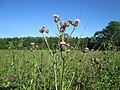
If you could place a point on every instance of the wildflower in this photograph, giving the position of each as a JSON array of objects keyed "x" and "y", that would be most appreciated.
[
  {"x": 61, "y": 29},
  {"x": 33, "y": 45},
  {"x": 56, "y": 18},
  {"x": 64, "y": 25},
  {"x": 77, "y": 20},
  {"x": 42, "y": 29},
  {"x": 68, "y": 23},
  {"x": 86, "y": 49},
  {"x": 63, "y": 46}
]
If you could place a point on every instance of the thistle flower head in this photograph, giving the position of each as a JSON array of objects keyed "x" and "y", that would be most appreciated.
[
  {"x": 61, "y": 29},
  {"x": 56, "y": 18},
  {"x": 69, "y": 21},
  {"x": 63, "y": 46},
  {"x": 32, "y": 43},
  {"x": 64, "y": 25},
  {"x": 62, "y": 43},
  {"x": 42, "y": 29},
  {"x": 86, "y": 49},
  {"x": 77, "y": 20}
]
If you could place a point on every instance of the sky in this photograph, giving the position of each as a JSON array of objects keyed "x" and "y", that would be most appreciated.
[{"x": 23, "y": 18}]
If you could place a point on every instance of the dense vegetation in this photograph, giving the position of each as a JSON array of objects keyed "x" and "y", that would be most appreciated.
[{"x": 25, "y": 70}]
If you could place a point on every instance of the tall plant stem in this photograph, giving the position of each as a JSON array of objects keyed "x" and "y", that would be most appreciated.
[
  {"x": 62, "y": 72},
  {"x": 63, "y": 36},
  {"x": 55, "y": 71},
  {"x": 48, "y": 45},
  {"x": 58, "y": 28},
  {"x": 70, "y": 34}
]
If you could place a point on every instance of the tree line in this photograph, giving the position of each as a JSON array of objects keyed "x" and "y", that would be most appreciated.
[{"x": 108, "y": 38}]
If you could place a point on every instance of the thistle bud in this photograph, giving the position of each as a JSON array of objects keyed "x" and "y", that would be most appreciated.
[
  {"x": 65, "y": 25},
  {"x": 76, "y": 22},
  {"x": 96, "y": 60},
  {"x": 56, "y": 18},
  {"x": 86, "y": 49},
  {"x": 42, "y": 29},
  {"x": 47, "y": 31},
  {"x": 72, "y": 22},
  {"x": 61, "y": 29},
  {"x": 63, "y": 46},
  {"x": 68, "y": 24},
  {"x": 61, "y": 23}
]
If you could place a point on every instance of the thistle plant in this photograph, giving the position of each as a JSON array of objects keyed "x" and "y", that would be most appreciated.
[{"x": 63, "y": 45}]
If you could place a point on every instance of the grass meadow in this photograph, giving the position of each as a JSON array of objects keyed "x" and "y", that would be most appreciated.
[{"x": 26, "y": 70}]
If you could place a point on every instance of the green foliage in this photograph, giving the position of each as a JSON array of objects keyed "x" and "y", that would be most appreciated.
[
  {"x": 25, "y": 70},
  {"x": 110, "y": 35}
]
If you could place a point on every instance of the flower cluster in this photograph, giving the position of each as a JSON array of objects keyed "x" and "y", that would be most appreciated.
[
  {"x": 63, "y": 25},
  {"x": 62, "y": 28},
  {"x": 43, "y": 29}
]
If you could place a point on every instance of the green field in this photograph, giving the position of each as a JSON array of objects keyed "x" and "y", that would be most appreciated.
[{"x": 25, "y": 70}]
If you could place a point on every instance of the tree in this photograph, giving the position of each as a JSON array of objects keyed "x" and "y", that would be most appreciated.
[{"x": 110, "y": 35}]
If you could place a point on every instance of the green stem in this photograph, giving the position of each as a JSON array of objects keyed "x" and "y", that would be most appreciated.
[
  {"x": 48, "y": 45},
  {"x": 62, "y": 72},
  {"x": 71, "y": 80},
  {"x": 58, "y": 28},
  {"x": 63, "y": 36},
  {"x": 55, "y": 72},
  {"x": 70, "y": 34}
]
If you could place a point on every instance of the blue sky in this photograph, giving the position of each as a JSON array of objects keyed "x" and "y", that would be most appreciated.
[{"x": 22, "y": 18}]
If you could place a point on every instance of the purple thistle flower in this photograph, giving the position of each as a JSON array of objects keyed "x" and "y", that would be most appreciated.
[
  {"x": 77, "y": 20},
  {"x": 56, "y": 16},
  {"x": 63, "y": 46}
]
